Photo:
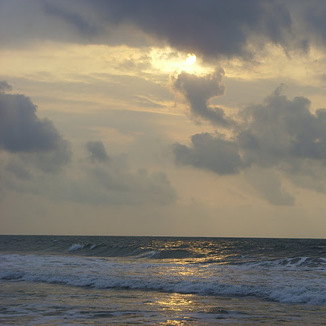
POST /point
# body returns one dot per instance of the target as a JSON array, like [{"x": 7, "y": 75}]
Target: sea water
[{"x": 77, "y": 280}]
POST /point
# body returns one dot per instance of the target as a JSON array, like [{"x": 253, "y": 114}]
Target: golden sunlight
[
  {"x": 191, "y": 58},
  {"x": 175, "y": 302},
  {"x": 168, "y": 60}
]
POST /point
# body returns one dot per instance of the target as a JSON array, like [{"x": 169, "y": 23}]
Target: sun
[
  {"x": 171, "y": 61},
  {"x": 191, "y": 58}
]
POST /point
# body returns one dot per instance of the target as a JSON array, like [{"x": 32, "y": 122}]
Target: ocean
[{"x": 106, "y": 280}]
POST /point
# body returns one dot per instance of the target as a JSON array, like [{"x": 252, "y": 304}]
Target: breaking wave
[{"x": 250, "y": 280}]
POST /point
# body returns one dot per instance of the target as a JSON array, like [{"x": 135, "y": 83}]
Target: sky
[{"x": 177, "y": 118}]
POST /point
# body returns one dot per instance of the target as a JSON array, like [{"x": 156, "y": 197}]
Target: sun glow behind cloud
[
  {"x": 169, "y": 61},
  {"x": 191, "y": 58}
]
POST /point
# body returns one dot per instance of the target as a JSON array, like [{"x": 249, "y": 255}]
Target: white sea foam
[{"x": 279, "y": 285}]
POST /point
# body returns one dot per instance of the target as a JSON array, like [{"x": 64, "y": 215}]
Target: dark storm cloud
[
  {"x": 198, "y": 90},
  {"x": 97, "y": 151},
  {"x": 210, "y": 28}
]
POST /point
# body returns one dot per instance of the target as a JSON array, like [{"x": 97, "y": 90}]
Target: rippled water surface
[{"x": 161, "y": 281}]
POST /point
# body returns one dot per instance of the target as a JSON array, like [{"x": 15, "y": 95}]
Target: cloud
[
  {"x": 50, "y": 161},
  {"x": 102, "y": 179},
  {"x": 18, "y": 169},
  {"x": 283, "y": 130},
  {"x": 113, "y": 185},
  {"x": 198, "y": 90},
  {"x": 36, "y": 140},
  {"x": 211, "y": 29},
  {"x": 310, "y": 18},
  {"x": 21, "y": 130},
  {"x": 4, "y": 87},
  {"x": 280, "y": 135},
  {"x": 97, "y": 151},
  {"x": 269, "y": 186},
  {"x": 72, "y": 16},
  {"x": 210, "y": 153},
  {"x": 113, "y": 181}
]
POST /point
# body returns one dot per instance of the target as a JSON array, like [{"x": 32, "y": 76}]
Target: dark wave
[{"x": 198, "y": 250}]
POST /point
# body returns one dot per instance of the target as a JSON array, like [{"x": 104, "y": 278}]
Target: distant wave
[
  {"x": 122, "y": 251},
  {"x": 286, "y": 252},
  {"x": 76, "y": 246}
]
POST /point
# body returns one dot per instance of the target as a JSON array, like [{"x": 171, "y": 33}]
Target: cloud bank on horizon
[{"x": 273, "y": 142}]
